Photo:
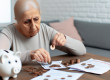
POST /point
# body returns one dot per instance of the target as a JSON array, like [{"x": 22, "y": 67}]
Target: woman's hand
[
  {"x": 59, "y": 40},
  {"x": 40, "y": 55}
]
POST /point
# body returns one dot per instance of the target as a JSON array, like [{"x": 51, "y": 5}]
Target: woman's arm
[
  {"x": 73, "y": 47},
  {"x": 5, "y": 43}
]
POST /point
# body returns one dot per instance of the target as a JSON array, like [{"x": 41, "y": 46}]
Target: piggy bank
[{"x": 10, "y": 64}]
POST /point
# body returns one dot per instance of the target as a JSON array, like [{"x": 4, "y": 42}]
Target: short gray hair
[{"x": 23, "y": 5}]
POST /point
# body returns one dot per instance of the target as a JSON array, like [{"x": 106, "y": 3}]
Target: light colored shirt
[{"x": 11, "y": 38}]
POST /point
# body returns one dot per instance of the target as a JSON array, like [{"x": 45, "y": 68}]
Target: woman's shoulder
[
  {"x": 9, "y": 28},
  {"x": 44, "y": 26}
]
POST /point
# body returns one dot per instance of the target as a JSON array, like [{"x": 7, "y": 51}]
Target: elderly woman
[{"x": 33, "y": 38}]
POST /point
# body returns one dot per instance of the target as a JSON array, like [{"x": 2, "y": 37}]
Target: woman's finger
[
  {"x": 55, "y": 39},
  {"x": 60, "y": 39},
  {"x": 45, "y": 56},
  {"x": 48, "y": 56},
  {"x": 40, "y": 56},
  {"x": 37, "y": 57},
  {"x": 61, "y": 42}
]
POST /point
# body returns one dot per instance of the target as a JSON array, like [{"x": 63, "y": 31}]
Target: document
[
  {"x": 58, "y": 75},
  {"x": 100, "y": 67}
]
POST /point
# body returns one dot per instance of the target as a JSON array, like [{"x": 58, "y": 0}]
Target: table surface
[{"x": 65, "y": 58}]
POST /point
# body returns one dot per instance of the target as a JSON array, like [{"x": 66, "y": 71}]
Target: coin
[{"x": 52, "y": 47}]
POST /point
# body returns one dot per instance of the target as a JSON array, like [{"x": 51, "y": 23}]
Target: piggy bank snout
[{"x": 16, "y": 70}]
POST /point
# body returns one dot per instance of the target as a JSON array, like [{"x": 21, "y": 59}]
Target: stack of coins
[
  {"x": 77, "y": 60},
  {"x": 72, "y": 61}
]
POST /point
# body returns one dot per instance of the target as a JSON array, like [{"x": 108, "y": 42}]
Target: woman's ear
[{"x": 16, "y": 19}]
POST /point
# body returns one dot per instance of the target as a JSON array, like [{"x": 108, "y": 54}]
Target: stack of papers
[
  {"x": 100, "y": 67},
  {"x": 46, "y": 65},
  {"x": 57, "y": 75}
]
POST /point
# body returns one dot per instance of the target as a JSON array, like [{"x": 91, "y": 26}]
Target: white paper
[
  {"x": 99, "y": 68},
  {"x": 46, "y": 65},
  {"x": 55, "y": 74}
]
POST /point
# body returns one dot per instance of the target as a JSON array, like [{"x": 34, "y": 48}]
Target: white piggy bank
[{"x": 10, "y": 64}]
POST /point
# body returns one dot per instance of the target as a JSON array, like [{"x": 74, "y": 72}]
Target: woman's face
[{"x": 29, "y": 22}]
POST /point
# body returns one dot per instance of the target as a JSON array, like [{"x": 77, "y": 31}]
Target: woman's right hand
[{"x": 40, "y": 55}]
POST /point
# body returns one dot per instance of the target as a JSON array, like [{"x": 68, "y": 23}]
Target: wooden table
[{"x": 65, "y": 58}]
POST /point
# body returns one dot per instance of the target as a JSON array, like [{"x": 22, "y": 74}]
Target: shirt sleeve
[
  {"x": 5, "y": 43},
  {"x": 50, "y": 32},
  {"x": 73, "y": 47},
  {"x": 25, "y": 56}
]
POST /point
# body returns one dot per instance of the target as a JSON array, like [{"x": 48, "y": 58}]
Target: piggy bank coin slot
[{"x": 6, "y": 51}]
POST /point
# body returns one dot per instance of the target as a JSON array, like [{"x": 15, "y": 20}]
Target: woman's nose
[{"x": 33, "y": 27}]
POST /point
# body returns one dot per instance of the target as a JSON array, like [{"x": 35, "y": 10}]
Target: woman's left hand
[{"x": 59, "y": 40}]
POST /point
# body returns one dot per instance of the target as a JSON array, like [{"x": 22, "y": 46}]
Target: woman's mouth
[{"x": 34, "y": 31}]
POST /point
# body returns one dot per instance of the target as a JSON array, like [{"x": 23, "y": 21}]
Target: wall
[
  {"x": 85, "y": 10},
  {"x": 13, "y": 16},
  {"x": 39, "y": 1}
]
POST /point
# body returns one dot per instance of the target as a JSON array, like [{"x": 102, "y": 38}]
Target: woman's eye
[
  {"x": 36, "y": 19},
  {"x": 26, "y": 21}
]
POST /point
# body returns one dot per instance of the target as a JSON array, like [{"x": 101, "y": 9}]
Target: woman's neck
[{"x": 17, "y": 27}]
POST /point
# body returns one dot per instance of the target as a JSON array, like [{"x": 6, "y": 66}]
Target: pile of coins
[
  {"x": 83, "y": 64},
  {"x": 72, "y": 61},
  {"x": 55, "y": 65},
  {"x": 88, "y": 65},
  {"x": 37, "y": 71},
  {"x": 34, "y": 71}
]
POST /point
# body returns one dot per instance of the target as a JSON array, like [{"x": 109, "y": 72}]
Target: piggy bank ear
[
  {"x": 3, "y": 58},
  {"x": 18, "y": 54}
]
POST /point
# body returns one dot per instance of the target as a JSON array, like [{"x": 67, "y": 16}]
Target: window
[{"x": 6, "y": 12}]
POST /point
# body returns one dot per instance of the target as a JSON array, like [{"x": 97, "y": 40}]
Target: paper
[
  {"x": 99, "y": 68},
  {"x": 57, "y": 75},
  {"x": 46, "y": 66}
]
